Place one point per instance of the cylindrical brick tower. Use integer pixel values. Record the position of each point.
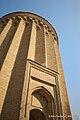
(32, 85)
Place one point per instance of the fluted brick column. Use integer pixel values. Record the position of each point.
(62, 86)
(31, 51)
(7, 41)
(2, 25)
(5, 31)
(31, 56)
(50, 54)
(9, 62)
(40, 45)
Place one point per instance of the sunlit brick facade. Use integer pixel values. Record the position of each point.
(32, 85)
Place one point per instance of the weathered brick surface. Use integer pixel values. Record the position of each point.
(50, 53)
(7, 42)
(2, 25)
(9, 62)
(5, 31)
(30, 69)
(40, 46)
(62, 86)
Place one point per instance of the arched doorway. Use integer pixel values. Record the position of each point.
(42, 99)
(36, 114)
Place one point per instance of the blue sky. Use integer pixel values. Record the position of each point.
(64, 15)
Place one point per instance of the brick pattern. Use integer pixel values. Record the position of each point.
(50, 54)
(29, 58)
(8, 65)
(40, 46)
(62, 86)
(7, 42)
(5, 31)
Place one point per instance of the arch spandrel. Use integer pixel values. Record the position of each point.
(44, 90)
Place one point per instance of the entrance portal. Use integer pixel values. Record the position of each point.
(36, 114)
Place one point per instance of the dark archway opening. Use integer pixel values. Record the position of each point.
(36, 114)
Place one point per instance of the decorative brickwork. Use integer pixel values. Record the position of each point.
(32, 85)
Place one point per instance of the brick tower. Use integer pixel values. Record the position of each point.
(32, 85)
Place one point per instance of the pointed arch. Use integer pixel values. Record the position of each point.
(43, 90)
(42, 99)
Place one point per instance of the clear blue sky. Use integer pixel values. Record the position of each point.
(64, 15)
